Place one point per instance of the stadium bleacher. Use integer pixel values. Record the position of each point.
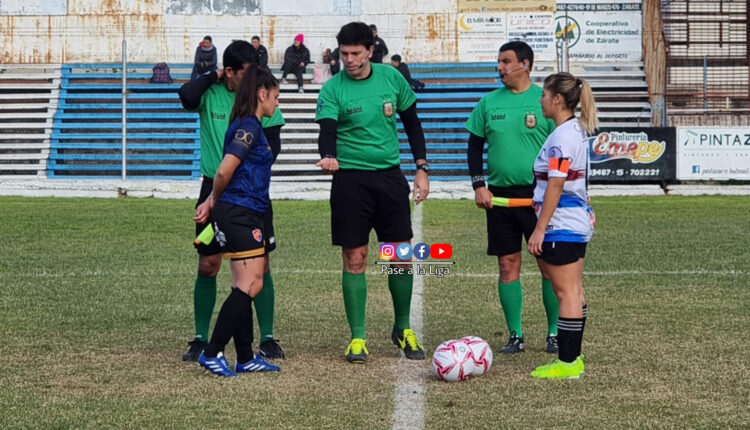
(28, 100)
(80, 137)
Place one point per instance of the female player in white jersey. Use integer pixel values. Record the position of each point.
(564, 218)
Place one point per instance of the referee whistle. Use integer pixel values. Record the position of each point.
(206, 236)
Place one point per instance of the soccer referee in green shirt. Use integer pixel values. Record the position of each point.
(358, 143)
(510, 120)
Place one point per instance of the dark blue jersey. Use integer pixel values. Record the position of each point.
(249, 184)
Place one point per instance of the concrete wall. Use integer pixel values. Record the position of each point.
(91, 31)
(55, 31)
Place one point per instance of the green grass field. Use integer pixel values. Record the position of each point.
(96, 311)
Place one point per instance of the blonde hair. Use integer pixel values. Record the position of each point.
(573, 91)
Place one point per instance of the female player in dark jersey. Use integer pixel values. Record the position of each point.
(238, 200)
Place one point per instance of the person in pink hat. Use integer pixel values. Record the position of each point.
(296, 58)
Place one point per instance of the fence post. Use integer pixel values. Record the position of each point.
(705, 85)
(124, 106)
(564, 67)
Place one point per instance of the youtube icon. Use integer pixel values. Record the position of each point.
(441, 251)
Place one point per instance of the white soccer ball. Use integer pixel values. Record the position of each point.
(481, 353)
(453, 361)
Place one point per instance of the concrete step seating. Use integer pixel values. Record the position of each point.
(28, 100)
(163, 140)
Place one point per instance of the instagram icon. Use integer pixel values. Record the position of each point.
(387, 251)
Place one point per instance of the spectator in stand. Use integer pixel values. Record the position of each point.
(261, 50)
(296, 58)
(404, 69)
(205, 58)
(380, 49)
(334, 61)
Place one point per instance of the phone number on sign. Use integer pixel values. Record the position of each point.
(625, 172)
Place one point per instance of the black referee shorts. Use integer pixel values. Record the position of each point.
(268, 228)
(362, 200)
(506, 227)
(213, 248)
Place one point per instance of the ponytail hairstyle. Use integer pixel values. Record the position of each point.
(573, 91)
(246, 96)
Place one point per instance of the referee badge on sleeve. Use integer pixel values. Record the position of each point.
(388, 109)
(530, 120)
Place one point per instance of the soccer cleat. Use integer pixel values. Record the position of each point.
(557, 369)
(270, 349)
(194, 350)
(216, 365)
(357, 351)
(257, 364)
(515, 344)
(552, 347)
(408, 343)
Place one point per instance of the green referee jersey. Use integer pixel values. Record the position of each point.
(515, 131)
(214, 110)
(366, 110)
(276, 120)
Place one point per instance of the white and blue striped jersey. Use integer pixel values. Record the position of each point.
(565, 154)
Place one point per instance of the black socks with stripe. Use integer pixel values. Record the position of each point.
(570, 336)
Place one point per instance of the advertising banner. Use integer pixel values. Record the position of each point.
(713, 153)
(536, 29)
(637, 154)
(506, 5)
(480, 35)
(596, 36)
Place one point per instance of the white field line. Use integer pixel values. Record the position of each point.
(408, 400)
(454, 273)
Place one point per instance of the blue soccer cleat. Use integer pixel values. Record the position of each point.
(257, 364)
(217, 365)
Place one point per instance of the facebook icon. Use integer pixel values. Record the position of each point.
(421, 251)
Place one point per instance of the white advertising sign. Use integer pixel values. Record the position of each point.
(601, 36)
(480, 35)
(713, 153)
(536, 29)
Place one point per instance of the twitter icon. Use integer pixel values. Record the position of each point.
(403, 251)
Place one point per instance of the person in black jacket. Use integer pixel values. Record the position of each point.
(296, 58)
(205, 58)
(261, 50)
(380, 49)
(404, 69)
(335, 61)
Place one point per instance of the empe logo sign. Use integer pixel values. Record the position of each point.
(636, 147)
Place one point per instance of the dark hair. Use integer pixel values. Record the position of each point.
(574, 90)
(523, 51)
(246, 96)
(255, 38)
(238, 53)
(396, 57)
(373, 27)
(356, 33)
(208, 38)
